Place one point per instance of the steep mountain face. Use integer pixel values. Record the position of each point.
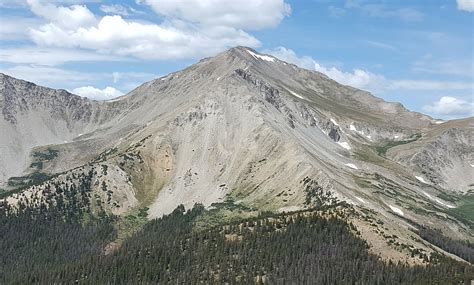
(250, 128)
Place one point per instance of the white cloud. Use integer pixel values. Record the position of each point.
(73, 17)
(466, 5)
(428, 64)
(115, 35)
(243, 14)
(381, 45)
(47, 75)
(429, 85)
(364, 79)
(450, 106)
(115, 9)
(50, 56)
(119, 76)
(97, 94)
(336, 12)
(357, 78)
(15, 27)
(380, 10)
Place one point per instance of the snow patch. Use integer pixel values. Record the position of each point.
(262, 57)
(334, 122)
(360, 199)
(438, 200)
(344, 145)
(351, 166)
(397, 136)
(396, 210)
(354, 129)
(427, 195)
(421, 179)
(114, 100)
(472, 165)
(218, 78)
(79, 135)
(297, 95)
(439, 122)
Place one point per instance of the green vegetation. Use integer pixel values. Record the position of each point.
(448, 197)
(41, 246)
(64, 236)
(34, 178)
(361, 182)
(47, 155)
(40, 157)
(463, 249)
(316, 197)
(103, 156)
(465, 210)
(221, 213)
(382, 149)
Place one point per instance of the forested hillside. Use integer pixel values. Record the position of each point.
(53, 245)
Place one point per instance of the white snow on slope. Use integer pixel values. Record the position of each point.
(351, 165)
(438, 200)
(421, 179)
(263, 57)
(334, 122)
(396, 210)
(360, 199)
(297, 95)
(354, 129)
(344, 145)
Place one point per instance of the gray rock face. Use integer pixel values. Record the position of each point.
(250, 127)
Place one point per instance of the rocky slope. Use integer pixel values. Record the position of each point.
(250, 128)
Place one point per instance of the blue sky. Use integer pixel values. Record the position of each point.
(419, 53)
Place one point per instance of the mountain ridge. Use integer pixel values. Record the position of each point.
(253, 129)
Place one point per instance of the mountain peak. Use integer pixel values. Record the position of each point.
(248, 54)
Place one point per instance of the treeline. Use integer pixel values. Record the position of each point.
(49, 231)
(42, 247)
(463, 249)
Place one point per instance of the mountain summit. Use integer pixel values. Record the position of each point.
(249, 128)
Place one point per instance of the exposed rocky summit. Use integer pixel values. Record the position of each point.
(250, 127)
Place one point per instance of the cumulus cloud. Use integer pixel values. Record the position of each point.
(245, 14)
(191, 28)
(97, 94)
(466, 5)
(73, 17)
(115, 35)
(364, 79)
(450, 106)
(357, 78)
